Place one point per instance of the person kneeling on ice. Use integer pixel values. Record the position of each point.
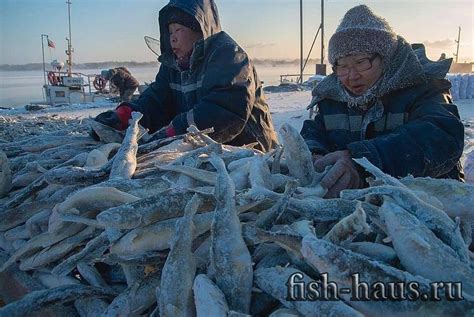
(205, 79)
(121, 78)
(383, 101)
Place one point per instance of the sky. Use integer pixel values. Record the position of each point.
(108, 30)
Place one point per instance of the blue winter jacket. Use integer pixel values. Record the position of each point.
(221, 88)
(412, 127)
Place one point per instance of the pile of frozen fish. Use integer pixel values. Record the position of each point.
(21, 127)
(188, 226)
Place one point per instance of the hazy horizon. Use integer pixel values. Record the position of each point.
(266, 29)
(144, 63)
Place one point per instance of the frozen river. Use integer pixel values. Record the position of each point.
(18, 88)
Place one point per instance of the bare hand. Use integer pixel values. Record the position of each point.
(342, 175)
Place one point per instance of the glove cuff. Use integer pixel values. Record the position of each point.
(170, 131)
(124, 112)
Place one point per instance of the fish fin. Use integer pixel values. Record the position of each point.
(171, 310)
(420, 242)
(457, 228)
(192, 206)
(136, 115)
(133, 236)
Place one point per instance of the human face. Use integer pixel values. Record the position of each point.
(359, 72)
(182, 39)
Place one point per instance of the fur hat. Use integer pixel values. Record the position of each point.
(361, 31)
(183, 18)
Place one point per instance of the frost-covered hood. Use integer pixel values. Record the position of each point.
(204, 11)
(406, 68)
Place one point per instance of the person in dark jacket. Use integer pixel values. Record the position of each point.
(205, 79)
(121, 78)
(383, 101)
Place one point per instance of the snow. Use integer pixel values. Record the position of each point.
(289, 107)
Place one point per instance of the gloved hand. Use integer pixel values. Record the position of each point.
(117, 119)
(163, 133)
(342, 175)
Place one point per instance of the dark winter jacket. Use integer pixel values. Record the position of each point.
(221, 89)
(411, 128)
(123, 79)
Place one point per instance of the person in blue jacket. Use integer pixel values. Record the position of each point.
(205, 79)
(384, 101)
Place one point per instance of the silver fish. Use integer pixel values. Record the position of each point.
(198, 174)
(38, 223)
(376, 251)
(156, 236)
(238, 164)
(93, 249)
(276, 164)
(187, 181)
(88, 202)
(259, 174)
(176, 299)
(341, 265)
(348, 227)
(86, 307)
(208, 298)
(135, 299)
(298, 156)
(6, 245)
(434, 260)
(290, 240)
(106, 133)
(274, 281)
(91, 275)
(41, 143)
(57, 251)
(162, 206)
(95, 158)
(143, 187)
(456, 197)
(374, 170)
(16, 216)
(125, 161)
(435, 219)
(230, 258)
(38, 300)
(41, 241)
(72, 175)
(382, 178)
(19, 232)
(316, 209)
(269, 217)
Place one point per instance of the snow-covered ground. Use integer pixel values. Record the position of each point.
(289, 107)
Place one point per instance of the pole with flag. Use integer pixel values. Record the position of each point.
(44, 66)
(50, 44)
